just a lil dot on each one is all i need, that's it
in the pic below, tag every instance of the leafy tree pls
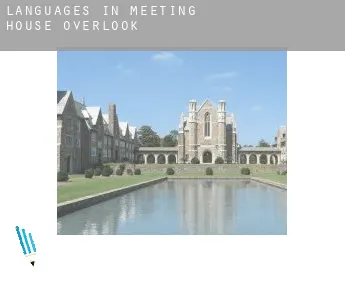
(170, 140)
(148, 137)
(263, 143)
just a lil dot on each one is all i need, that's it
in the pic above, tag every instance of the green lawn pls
(79, 186)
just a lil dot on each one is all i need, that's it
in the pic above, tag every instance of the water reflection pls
(185, 207)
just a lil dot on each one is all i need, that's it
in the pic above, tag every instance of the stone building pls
(207, 133)
(281, 143)
(86, 136)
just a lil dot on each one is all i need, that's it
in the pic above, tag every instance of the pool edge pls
(88, 201)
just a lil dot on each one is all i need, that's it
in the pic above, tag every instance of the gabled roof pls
(106, 118)
(123, 127)
(132, 131)
(62, 98)
(207, 101)
(94, 113)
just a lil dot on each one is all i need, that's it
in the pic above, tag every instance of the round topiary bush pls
(97, 171)
(278, 172)
(170, 171)
(195, 160)
(219, 160)
(106, 171)
(62, 176)
(129, 171)
(119, 172)
(137, 171)
(284, 172)
(245, 171)
(209, 171)
(89, 173)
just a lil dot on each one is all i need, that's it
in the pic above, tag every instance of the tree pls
(170, 140)
(263, 143)
(148, 137)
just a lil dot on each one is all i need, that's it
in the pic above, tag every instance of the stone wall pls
(231, 168)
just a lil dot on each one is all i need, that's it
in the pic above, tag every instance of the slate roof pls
(259, 149)
(123, 128)
(93, 112)
(157, 149)
(62, 98)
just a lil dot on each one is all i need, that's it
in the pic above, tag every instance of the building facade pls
(86, 136)
(207, 133)
(281, 143)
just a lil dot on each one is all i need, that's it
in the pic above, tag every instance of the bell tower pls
(221, 130)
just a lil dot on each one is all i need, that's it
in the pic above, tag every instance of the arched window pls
(207, 125)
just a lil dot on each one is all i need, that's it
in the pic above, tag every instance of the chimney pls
(112, 119)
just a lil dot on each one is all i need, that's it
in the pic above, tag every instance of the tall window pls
(207, 125)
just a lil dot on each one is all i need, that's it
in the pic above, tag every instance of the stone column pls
(248, 155)
(156, 158)
(145, 158)
(258, 158)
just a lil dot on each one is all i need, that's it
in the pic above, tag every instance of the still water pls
(178, 207)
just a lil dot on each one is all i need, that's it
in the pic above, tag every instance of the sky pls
(153, 88)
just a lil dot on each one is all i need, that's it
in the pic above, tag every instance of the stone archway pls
(172, 159)
(274, 159)
(161, 159)
(207, 157)
(140, 159)
(253, 159)
(150, 159)
(243, 159)
(263, 159)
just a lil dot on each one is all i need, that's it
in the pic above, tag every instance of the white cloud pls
(223, 75)
(166, 57)
(256, 108)
(121, 68)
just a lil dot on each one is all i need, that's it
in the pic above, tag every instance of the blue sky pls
(153, 88)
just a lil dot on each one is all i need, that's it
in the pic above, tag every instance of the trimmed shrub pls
(129, 171)
(122, 167)
(97, 171)
(89, 173)
(278, 172)
(137, 171)
(209, 171)
(195, 160)
(245, 171)
(62, 176)
(170, 171)
(219, 160)
(119, 172)
(284, 172)
(106, 171)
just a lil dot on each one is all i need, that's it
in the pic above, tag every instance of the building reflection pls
(204, 206)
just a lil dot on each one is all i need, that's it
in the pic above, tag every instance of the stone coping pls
(269, 182)
(88, 201)
(264, 181)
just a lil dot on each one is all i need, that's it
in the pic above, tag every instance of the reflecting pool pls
(183, 207)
